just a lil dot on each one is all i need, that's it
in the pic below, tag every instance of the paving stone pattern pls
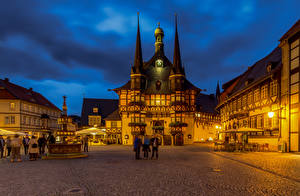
(187, 170)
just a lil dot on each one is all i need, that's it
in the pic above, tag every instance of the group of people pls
(32, 146)
(145, 142)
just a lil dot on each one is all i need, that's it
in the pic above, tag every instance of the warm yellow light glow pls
(210, 139)
(217, 126)
(270, 114)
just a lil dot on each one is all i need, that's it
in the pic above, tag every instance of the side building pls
(262, 104)
(290, 106)
(24, 110)
(249, 99)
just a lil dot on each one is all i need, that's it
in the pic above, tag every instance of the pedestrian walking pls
(51, 139)
(16, 143)
(137, 147)
(42, 144)
(33, 149)
(155, 143)
(85, 142)
(26, 144)
(146, 146)
(8, 145)
(2, 146)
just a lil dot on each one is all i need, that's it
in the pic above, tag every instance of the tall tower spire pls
(64, 113)
(138, 57)
(177, 58)
(218, 93)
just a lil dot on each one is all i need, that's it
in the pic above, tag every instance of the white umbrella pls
(6, 132)
(93, 130)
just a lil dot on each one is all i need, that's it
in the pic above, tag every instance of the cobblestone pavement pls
(188, 170)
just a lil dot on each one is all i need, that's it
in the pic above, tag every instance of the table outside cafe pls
(97, 136)
(240, 140)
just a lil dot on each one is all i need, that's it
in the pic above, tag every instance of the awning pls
(93, 131)
(6, 132)
(242, 130)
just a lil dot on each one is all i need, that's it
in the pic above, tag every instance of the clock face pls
(159, 63)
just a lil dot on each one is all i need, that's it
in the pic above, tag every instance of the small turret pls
(159, 35)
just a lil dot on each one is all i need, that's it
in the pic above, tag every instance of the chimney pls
(6, 79)
(30, 89)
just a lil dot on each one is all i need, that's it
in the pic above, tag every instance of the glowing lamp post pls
(270, 114)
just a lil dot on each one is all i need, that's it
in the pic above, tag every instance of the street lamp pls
(270, 114)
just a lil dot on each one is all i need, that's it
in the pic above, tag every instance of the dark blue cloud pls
(87, 47)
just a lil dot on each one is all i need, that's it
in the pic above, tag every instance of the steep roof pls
(115, 115)
(105, 107)
(294, 29)
(206, 103)
(9, 90)
(259, 70)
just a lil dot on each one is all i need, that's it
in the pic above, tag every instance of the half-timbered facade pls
(249, 99)
(158, 98)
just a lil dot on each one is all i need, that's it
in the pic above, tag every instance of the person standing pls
(33, 149)
(2, 146)
(155, 143)
(8, 145)
(85, 143)
(146, 147)
(26, 144)
(16, 143)
(42, 144)
(137, 147)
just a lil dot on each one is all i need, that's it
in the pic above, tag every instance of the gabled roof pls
(259, 70)
(126, 86)
(294, 29)
(9, 90)
(105, 107)
(115, 115)
(206, 103)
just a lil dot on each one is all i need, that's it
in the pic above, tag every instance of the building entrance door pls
(294, 133)
(179, 139)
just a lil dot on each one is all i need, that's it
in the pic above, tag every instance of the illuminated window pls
(114, 123)
(9, 120)
(264, 91)
(259, 121)
(95, 110)
(295, 78)
(294, 98)
(12, 106)
(273, 88)
(257, 95)
(250, 97)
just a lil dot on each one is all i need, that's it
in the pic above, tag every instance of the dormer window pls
(95, 110)
(269, 68)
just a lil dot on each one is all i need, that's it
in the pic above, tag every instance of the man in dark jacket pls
(42, 144)
(137, 147)
(26, 144)
(155, 143)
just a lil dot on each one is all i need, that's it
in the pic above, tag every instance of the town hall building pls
(160, 100)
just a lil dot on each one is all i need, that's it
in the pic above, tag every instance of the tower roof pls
(138, 57)
(177, 57)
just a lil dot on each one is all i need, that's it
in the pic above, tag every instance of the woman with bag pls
(33, 149)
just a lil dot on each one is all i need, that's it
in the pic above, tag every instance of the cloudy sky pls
(82, 48)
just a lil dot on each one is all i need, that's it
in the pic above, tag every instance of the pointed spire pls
(177, 58)
(218, 93)
(64, 106)
(138, 58)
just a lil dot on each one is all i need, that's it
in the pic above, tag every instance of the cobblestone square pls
(184, 170)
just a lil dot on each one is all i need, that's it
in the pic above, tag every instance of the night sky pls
(82, 48)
